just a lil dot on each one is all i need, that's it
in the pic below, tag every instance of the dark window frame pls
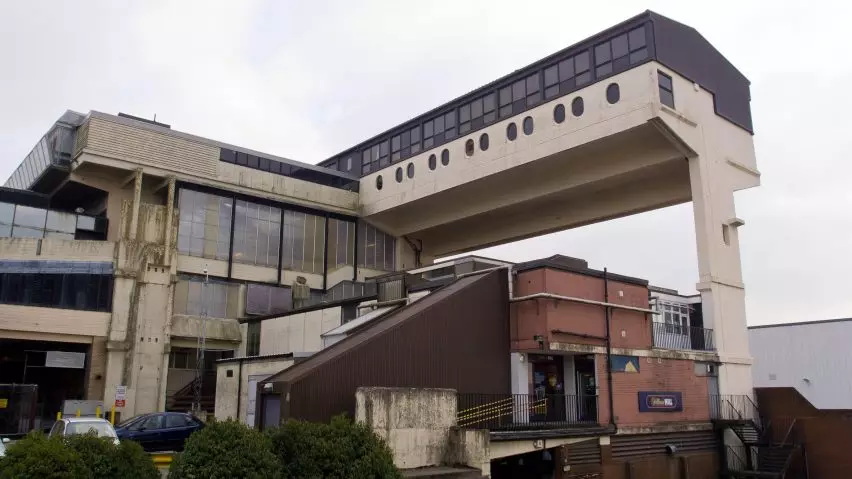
(567, 72)
(666, 89)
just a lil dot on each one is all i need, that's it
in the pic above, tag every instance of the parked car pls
(82, 425)
(161, 431)
(3, 443)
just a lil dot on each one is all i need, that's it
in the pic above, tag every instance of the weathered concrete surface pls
(415, 423)
(232, 392)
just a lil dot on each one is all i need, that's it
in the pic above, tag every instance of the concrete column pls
(97, 369)
(170, 211)
(137, 199)
(720, 274)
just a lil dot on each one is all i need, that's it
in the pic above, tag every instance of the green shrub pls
(105, 460)
(340, 450)
(35, 456)
(225, 450)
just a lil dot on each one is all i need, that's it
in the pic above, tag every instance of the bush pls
(37, 456)
(225, 450)
(342, 450)
(105, 460)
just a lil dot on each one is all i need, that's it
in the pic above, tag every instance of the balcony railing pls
(672, 336)
(524, 412)
(731, 407)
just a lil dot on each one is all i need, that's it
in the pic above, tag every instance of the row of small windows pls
(613, 95)
(560, 78)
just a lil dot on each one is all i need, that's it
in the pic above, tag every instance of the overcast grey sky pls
(307, 79)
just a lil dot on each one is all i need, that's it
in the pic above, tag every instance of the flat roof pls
(801, 323)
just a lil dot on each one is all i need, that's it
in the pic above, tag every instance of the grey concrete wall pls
(416, 423)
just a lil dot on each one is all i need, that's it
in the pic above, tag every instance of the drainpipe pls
(608, 350)
(240, 388)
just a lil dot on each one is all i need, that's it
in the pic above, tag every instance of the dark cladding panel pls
(457, 337)
(685, 51)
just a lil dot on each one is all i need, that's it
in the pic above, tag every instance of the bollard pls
(112, 415)
(98, 412)
(78, 413)
(58, 415)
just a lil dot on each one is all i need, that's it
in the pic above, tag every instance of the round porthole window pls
(468, 148)
(613, 93)
(577, 106)
(399, 175)
(559, 113)
(511, 132)
(445, 157)
(528, 125)
(433, 162)
(379, 182)
(410, 170)
(483, 141)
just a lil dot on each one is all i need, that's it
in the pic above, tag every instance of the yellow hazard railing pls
(512, 406)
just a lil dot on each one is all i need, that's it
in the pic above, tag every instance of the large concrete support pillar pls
(720, 273)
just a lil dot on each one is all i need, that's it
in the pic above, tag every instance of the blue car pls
(159, 431)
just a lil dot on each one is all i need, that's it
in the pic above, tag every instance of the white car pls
(81, 425)
(3, 443)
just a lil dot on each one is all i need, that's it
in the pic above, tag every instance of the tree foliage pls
(38, 456)
(342, 450)
(225, 450)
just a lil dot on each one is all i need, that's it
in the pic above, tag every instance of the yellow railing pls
(497, 409)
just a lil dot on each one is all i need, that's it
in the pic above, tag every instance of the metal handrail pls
(743, 463)
(789, 431)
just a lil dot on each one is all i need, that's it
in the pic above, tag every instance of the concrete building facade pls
(196, 234)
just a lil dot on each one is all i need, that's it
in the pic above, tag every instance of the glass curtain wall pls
(376, 249)
(205, 224)
(304, 242)
(257, 230)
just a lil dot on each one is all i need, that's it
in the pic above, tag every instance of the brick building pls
(559, 352)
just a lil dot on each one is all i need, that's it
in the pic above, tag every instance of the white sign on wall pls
(64, 359)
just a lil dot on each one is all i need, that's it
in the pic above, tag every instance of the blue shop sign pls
(660, 401)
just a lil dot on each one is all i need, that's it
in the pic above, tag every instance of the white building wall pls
(814, 358)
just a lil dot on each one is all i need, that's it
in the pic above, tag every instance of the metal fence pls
(17, 416)
(514, 412)
(672, 336)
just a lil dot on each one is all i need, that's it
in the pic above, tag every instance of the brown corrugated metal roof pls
(376, 327)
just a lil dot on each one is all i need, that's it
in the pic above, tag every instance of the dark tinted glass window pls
(468, 147)
(559, 113)
(87, 292)
(433, 162)
(613, 93)
(252, 161)
(512, 131)
(528, 125)
(410, 170)
(174, 420)
(666, 89)
(379, 182)
(399, 175)
(445, 157)
(577, 106)
(483, 141)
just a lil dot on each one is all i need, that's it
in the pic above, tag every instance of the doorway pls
(548, 377)
(587, 388)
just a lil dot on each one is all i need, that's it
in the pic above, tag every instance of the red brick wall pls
(630, 329)
(674, 375)
(577, 320)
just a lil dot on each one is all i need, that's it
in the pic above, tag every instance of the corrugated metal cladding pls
(456, 337)
(641, 445)
(586, 452)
